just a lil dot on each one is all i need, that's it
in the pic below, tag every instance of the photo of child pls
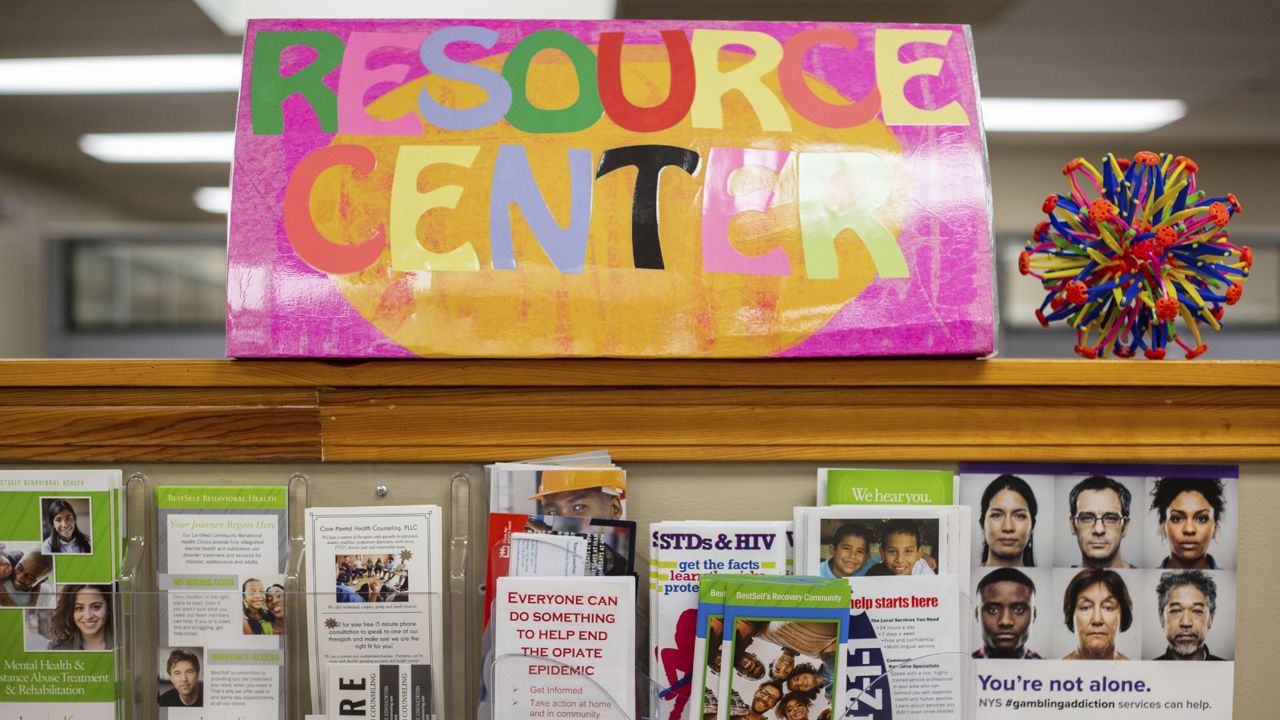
(66, 526)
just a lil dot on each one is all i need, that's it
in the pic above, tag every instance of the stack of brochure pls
(60, 534)
(899, 541)
(375, 631)
(559, 589)
(680, 552)
(769, 644)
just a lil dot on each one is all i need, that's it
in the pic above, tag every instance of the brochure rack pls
(720, 439)
(139, 602)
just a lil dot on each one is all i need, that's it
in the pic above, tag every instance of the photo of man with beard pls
(1187, 601)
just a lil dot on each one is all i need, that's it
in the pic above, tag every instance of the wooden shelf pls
(463, 410)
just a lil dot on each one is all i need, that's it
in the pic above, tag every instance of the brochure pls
(680, 552)
(1125, 566)
(548, 554)
(864, 486)
(59, 559)
(782, 648)
(565, 647)
(382, 692)
(221, 553)
(904, 657)
(708, 631)
(612, 542)
(374, 581)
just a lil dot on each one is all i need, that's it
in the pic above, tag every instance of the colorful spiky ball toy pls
(1144, 248)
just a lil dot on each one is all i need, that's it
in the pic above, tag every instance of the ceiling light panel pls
(231, 15)
(120, 75)
(177, 147)
(1065, 115)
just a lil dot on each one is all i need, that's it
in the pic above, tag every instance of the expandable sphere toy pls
(1147, 249)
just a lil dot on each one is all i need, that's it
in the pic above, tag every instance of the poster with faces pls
(1081, 562)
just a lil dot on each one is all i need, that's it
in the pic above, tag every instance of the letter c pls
(307, 242)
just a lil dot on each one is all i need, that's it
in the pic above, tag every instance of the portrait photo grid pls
(50, 620)
(1098, 562)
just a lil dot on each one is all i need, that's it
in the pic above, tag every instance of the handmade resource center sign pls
(618, 189)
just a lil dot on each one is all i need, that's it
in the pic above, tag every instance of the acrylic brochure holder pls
(276, 679)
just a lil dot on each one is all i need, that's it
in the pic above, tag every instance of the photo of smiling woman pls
(82, 619)
(63, 519)
(275, 606)
(1098, 616)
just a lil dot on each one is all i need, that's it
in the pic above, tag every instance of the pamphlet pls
(59, 560)
(381, 692)
(548, 554)
(374, 577)
(708, 646)
(564, 644)
(782, 648)
(708, 632)
(680, 552)
(1123, 566)
(865, 486)
(221, 554)
(611, 545)
(904, 657)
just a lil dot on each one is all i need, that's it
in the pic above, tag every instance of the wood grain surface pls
(456, 410)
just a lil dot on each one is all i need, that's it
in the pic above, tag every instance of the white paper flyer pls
(374, 577)
(565, 647)
(905, 658)
(221, 556)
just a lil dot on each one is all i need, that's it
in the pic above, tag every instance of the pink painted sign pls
(608, 189)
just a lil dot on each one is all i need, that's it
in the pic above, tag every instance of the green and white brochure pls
(59, 560)
(221, 556)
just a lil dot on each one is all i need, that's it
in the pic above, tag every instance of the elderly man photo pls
(1188, 601)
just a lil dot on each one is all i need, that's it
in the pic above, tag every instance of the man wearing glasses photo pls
(1099, 520)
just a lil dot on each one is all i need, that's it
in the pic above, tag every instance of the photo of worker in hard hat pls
(577, 492)
(582, 493)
